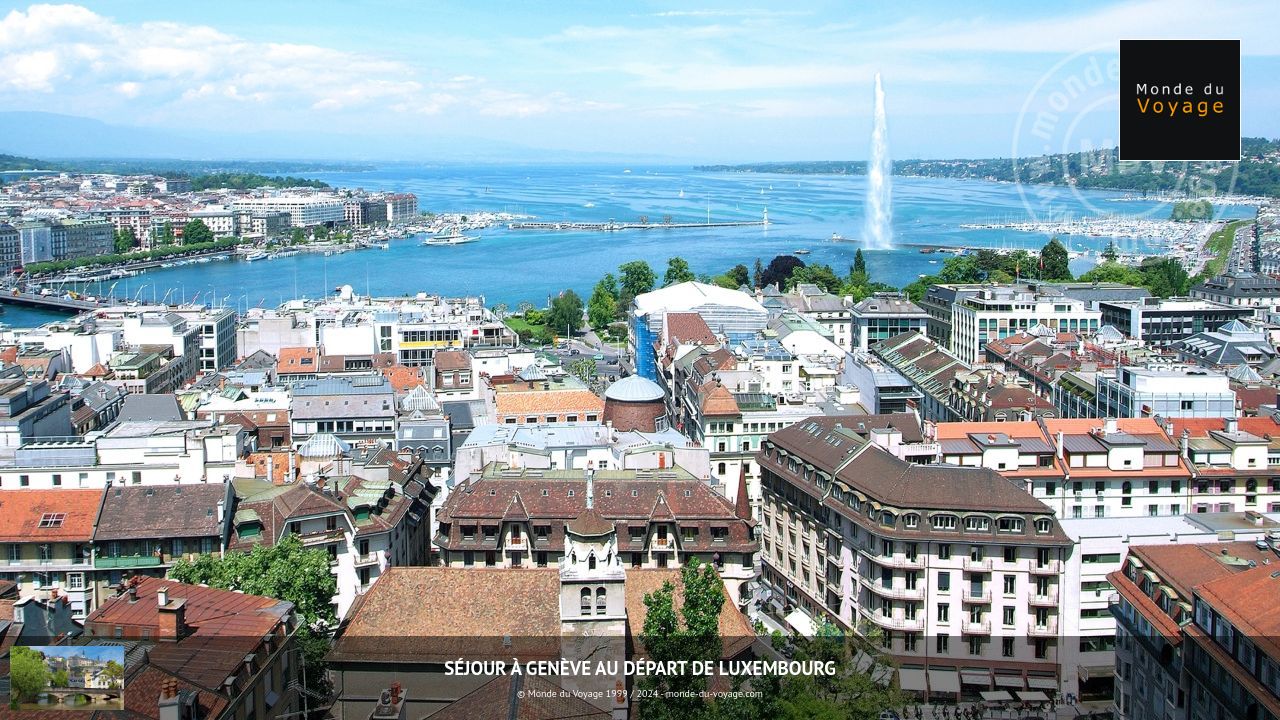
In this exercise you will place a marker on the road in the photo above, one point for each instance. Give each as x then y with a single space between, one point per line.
608 366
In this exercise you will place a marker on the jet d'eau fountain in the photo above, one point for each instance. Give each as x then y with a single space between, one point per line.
877 232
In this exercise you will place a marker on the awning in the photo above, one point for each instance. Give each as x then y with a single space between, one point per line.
801 623
944 681
976 677
1014 681
996 696
911 679
1033 696
1044 683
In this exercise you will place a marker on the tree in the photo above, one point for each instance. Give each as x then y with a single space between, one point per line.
166 235
287 571
677 272
523 308
28 674
1054 261
584 368
779 271
1110 254
565 313
1113 272
59 679
666 639
501 310
602 308
859 688
321 232
821 275
739 275
757 274
1165 277
125 241
113 673
195 232
297 236
637 278
859 262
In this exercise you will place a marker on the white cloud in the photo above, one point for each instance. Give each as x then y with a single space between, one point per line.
29 71
129 89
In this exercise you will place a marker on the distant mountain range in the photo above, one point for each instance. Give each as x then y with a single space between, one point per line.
52 136
1258 170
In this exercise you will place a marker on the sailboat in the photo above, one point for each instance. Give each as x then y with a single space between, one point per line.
681 192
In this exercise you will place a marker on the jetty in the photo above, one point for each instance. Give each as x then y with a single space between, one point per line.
614 226
53 302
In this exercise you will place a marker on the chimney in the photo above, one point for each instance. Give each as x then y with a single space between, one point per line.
162 595
1232 424
1058 450
1185 443
1110 426
173 620
391 704
591 485
133 595
170 705
222 510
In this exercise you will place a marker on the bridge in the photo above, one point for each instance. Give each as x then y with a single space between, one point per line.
50 302
68 695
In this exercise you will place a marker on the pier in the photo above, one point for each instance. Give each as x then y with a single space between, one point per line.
612 226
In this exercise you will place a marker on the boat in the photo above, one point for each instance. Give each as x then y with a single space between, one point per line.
836 237
928 250
802 252
255 255
589 205
451 238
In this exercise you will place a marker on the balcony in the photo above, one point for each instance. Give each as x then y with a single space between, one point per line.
324 537
367 559
893 561
1048 628
128 561
972 565
897 623
50 564
982 627
663 544
896 593
517 543
977 596
1043 600
1052 567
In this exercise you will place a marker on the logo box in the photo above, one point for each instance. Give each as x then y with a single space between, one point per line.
1180 100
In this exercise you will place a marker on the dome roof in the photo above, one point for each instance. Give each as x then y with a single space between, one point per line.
323 445
634 389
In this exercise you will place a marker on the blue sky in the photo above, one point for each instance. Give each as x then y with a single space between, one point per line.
99 653
688 80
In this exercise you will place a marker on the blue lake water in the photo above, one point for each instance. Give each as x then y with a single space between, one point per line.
514 265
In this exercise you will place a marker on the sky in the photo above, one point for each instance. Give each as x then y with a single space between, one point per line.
688 80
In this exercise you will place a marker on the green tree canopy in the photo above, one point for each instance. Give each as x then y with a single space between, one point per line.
779 271
1165 277
1111 254
667 639
637 278
565 313
166 235
125 240
821 275
859 262
602 308
1054 261
113 673
739 275
28 674
196 232
677 272
59 679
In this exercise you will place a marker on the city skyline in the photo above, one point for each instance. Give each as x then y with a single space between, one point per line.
711 82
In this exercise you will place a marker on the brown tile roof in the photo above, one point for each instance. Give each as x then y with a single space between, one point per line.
279 467
717 400
687 328
160 512
142 693
1200 427
589 523
549 402
1248 600
98 371
452 360
298 360
402 378
1183 566
23 512
434 614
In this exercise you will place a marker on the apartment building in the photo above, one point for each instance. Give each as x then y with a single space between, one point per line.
401 207
996 312
30 410
958 568
1163 321
1235 463
352 408
48 543
10 248
1195 629
1164 390
930 368
517 517
813 303
1255 291
304 210
209 654
882 316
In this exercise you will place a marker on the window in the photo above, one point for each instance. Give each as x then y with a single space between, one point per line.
1010 584
944 551
24 481
57 480
585 602
490 558
1011 525
1010 554
1008 616
1043 526
944 581
1006 646
601 603
51 520
944 613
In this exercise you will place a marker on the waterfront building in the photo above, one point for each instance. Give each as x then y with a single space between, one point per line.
10 248
207 653
65 238
882 316
401 207
1194 632
1165 321
1232 345
958 568
996 312
1255 291
304 210
222 222
517 516
1164 390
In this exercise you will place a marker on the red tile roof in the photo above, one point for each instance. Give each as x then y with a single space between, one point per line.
298 360
452 360
685 328
1200 427
60 515
402 378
